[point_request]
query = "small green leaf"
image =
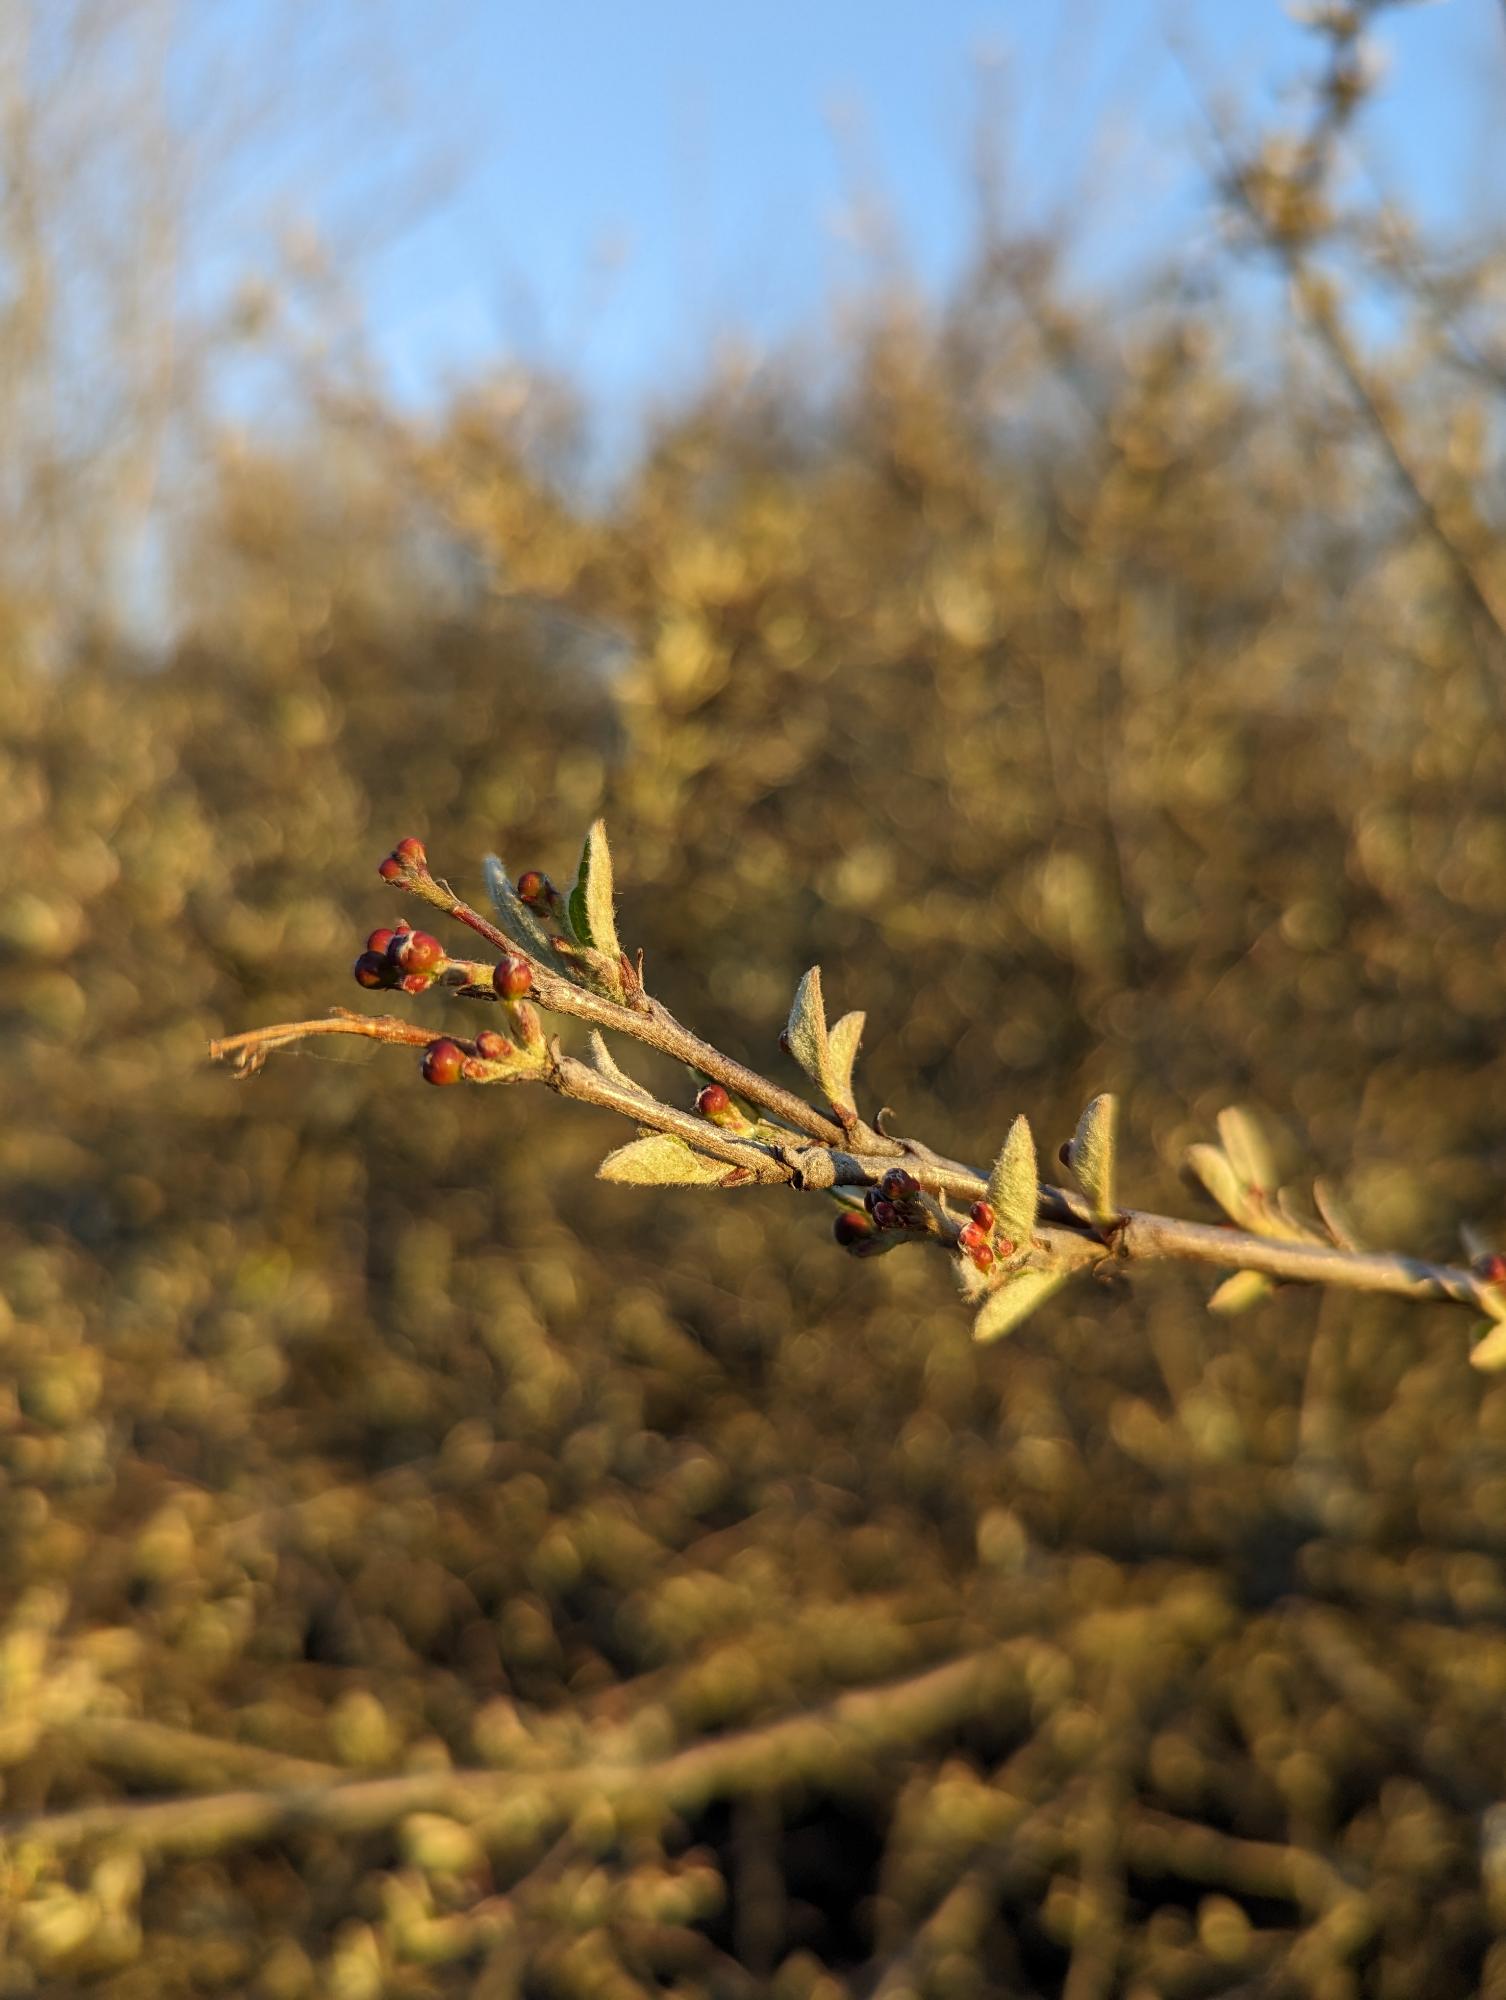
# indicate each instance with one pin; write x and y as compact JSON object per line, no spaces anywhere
{"x":1014,"y":1184}
{"x":1489,"y":1351}
{"x":592,"y":917}
{"x":842,"y":1044}
{"x":805,"y":1031}
{"x":1093,"y":1153}
{"x":1248,"y":1150}
{"x":1212,"y":1167}
{"x":1336,"y":1217}
{"x":1241,"y":1291}
{"x":516,"y":921}
{"x":661,"y":1160}
{"x":602,"y":1062}
{"x":1011,"y":1303}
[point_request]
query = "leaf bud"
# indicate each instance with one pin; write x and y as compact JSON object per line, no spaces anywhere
{"x":853,"y":1228}
{"x":417,"y":951}
{"x":407,"y":858}
{"x":443,"y":1062}
{"x":513,"y":978}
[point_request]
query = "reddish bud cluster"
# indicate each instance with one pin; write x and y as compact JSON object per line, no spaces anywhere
{"x":513,"y":979}
{"x":407,"y":858}
{"x":893,"y":1204}
{"x":977,"y":1239}
{"x":402,"y":958}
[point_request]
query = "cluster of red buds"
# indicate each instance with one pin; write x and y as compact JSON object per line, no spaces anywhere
{"x":400,"y":958}
{"x":896,"y":1204}
{"x":407,"y":858}
{"x":493,"y":1056}
{"x":978,"y":1238}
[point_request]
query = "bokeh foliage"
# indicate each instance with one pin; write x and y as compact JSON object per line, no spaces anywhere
{"x":1088,"y":701}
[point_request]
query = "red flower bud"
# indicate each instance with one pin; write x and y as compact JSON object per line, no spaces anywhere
{"x":533,"y":886}
{"x":513,"y":978}
{"x":380,"y":939}
{"x":853,"y":1228}
{"x":982,"y":1214}
{"x":970,"y":1238}
{"x":492,"y":1047}
{"x":372,"y":970}
{"x":714,"y":1103}
{"x":900,"y":1186}
{"x":982,"y":1257}
{"x":886,"y":1215}
{"x":443,"y":1061}
{"x":1006,"y":1246}
{"x":413,"y":982}
{"x":417,"y":951}
{"x":407,"y":858}
{"x":1490,"y":1268}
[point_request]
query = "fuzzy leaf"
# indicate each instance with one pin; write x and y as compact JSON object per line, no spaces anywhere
{"x":1093,"y":1155}
{"x":661,"y":1160}
{"x":1336,"y":1217}
{"x":842,"y":1043}
{"x":806,"y":1030}
{"x":516,"y":920}
{"x":1241,"y":1291}
{"x":604,"y":1065}
{"x":1010,"y":1304}
{"x":1212,"y":1167}
{"x":1489,"y":1351}
{"x":1248,"y":1150}
{"x":1014,"y":1184}
{"x":592,"y":917}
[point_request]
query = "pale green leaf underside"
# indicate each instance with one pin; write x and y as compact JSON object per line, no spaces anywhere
{"x":806,"y":1029}
{"x":661,"y":1160}
{"x":1093,"y":1156}
{"x":1013,"y":1186}
{"x":1012,"y":1302}
{"x":1248,"y":1149}
{"x":1212,"y":1166}
{"x":1241,"y":1291}
{"x":842,"y":1044}
{"x":1489,"y":1351}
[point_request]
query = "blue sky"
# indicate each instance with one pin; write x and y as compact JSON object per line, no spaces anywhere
{"x":618,"y":189}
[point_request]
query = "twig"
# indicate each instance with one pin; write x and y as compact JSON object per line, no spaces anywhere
{"x":1063,"y":1231}
{"x":850,"y":1731}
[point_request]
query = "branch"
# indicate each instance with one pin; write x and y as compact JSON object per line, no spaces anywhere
{"x":860,"y":1725}
{"x":1020,"y":1238}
